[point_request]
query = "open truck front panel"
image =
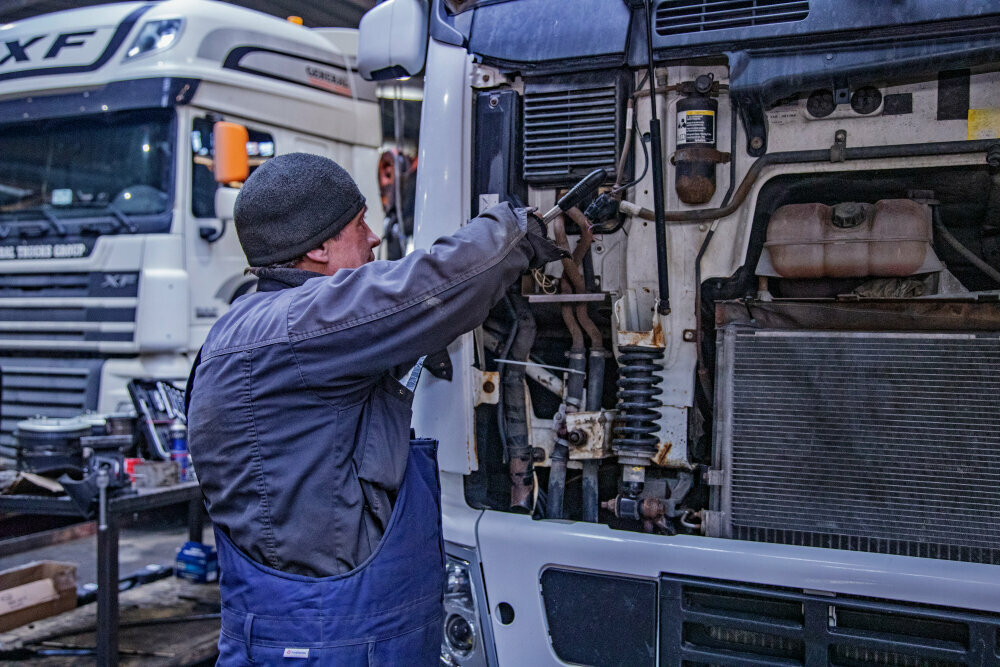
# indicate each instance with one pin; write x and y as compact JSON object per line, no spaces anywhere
{"x":754,"y":422}
{"x":114,"y":262}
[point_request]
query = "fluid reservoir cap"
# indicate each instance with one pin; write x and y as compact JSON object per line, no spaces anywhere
{"x":848,"y":214}
{"x":703,"y":84}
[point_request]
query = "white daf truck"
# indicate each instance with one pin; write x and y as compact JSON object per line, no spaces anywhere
{"x":754,"y":420}
{"x":114,"y":259}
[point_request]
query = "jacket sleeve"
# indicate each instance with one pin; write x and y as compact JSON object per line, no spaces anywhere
{"x":368,"y":320}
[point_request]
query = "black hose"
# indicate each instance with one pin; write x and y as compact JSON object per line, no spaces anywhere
{"x":501,"y":419}
{"x":514,"y":404}
{"x":557,"y":479}
{"x":699,"y":330}
{"x":595,"y":380}
{"x":823,"y":155}
{"x":962,"y":250}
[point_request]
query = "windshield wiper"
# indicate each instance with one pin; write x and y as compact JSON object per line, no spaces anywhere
{"x":123,"y":219}
{"x":53,"y":221}
{"x":120,"y":218}
{"x":17,"y":193}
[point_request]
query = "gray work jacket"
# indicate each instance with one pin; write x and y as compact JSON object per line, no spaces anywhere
{"x":297,"y":431}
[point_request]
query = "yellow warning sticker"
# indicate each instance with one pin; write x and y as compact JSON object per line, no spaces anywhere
{"x":699,"y":112}
{"x":984,"y":124}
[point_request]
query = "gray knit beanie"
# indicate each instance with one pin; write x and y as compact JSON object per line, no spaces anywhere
{"x":291,"y":204}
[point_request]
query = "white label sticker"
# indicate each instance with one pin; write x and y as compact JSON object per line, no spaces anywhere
{"x":695,"y":126}
{"x":296,"y":653}
{"x":487,"y":200}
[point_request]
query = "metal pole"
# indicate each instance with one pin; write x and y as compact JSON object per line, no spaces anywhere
{"x":656,"y":162}
{"x":107,"y":578}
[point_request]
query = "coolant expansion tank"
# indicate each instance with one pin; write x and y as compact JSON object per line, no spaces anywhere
{"x":887,"y":239}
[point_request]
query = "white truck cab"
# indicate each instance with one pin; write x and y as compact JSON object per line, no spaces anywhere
{"x":114,"y":261}
{"x":754,"y":420}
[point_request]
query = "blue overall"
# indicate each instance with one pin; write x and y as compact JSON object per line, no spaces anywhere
{"x":387,"y":611}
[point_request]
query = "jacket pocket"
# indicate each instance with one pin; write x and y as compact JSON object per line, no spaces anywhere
{"x":384,"y":443}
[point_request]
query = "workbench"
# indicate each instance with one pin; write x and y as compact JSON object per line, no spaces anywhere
{"x":107,"y":543}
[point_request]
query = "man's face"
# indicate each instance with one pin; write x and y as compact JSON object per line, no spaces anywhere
{"x":352,"y":247}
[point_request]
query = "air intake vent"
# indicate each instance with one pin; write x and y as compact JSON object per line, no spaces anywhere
{"x":705,"y":622}
{"x":571,"y":129}
{"x":882,"y":442}
{"x":678,"y":17}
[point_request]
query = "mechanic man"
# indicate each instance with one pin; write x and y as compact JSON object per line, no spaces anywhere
{"x":327,"y":515}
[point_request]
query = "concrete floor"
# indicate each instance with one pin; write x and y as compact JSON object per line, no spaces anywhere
{"x":154,"y":543}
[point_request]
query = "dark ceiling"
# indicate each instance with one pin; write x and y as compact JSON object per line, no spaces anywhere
{"x":315,"y":14}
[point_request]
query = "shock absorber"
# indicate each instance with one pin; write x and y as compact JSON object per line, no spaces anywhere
{"x":635,"y":438}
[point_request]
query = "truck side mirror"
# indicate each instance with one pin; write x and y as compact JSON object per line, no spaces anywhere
{"x":392,"y":41}
{"x":229,"y":146}
{"x":230,"y":164}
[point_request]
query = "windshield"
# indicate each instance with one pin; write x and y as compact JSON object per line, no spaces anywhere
{"x":113,"y":169}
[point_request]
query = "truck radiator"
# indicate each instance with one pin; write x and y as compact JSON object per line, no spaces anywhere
{"x":880,"y":442}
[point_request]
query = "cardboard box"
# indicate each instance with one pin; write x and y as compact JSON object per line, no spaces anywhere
{"x":35,"y":591}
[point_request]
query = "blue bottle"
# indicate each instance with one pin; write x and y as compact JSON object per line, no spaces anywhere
{"x":179,"y":450}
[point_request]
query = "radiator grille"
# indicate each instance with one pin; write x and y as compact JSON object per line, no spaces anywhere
{"x":80,"y":311}
{"x":44,"y":387}
{"x":677,"y":17}
{"x":871,"y":442}
{"x":569,"y":131}
{"x":705,"y":622}
{"x":44,"y":284}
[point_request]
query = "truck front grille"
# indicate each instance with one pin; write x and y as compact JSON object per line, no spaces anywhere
{"x":31,"y":387}
{"x":85,"y":312}
{"x":706,"y":622}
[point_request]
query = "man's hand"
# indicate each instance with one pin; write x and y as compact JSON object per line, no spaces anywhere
{"x":545,"y":250}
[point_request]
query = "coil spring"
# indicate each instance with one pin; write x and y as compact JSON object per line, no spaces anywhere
{"x":637,"y":402}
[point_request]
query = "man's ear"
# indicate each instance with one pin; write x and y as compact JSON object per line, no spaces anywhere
{"x":320,"y":254}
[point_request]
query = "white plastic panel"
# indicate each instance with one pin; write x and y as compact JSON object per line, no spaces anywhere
{"x":512,"y":568}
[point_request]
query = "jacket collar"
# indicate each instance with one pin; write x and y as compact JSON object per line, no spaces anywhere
{"x":273,"y":280}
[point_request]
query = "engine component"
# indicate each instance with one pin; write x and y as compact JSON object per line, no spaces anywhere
{"x":50,"y":445}
{"x":696,"y":157}
{"x":888,"y":239}
{"x":866,"y":100}
{"x":513,"y":411}
{"x":636,"y":440}
{"x":820,"y":103}
{"x":867,"y":441}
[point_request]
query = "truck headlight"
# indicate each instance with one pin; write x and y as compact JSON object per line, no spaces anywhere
{"x":155,"y":36}
{"x":462,"y":643}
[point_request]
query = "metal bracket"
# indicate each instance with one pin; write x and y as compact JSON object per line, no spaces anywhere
{"x":754,"y":122}
{"x":715,"y":477}
{"x":486,"y":387}
{"x":484,"y":76}
{"x":838,"y":151}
